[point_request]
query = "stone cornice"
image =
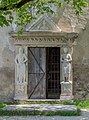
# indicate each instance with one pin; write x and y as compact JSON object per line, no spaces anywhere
{"x":46,"y":34}
{"x":44,"y":38}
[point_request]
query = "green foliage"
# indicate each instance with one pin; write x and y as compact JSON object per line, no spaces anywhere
{"x":82,"y":104}
{"x":2,"y":104}
{"x":24,"y":10}
{"x":36,"y":112}
{"x":6,"y":18}
{"x":79,"y":4}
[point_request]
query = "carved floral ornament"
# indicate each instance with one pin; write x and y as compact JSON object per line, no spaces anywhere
{"x":44,"y":38}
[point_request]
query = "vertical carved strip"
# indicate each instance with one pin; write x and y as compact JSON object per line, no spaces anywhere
{"x":67,"y":75}
{"x":21,"y":73}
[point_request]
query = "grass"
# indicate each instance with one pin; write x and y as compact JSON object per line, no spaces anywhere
{"x":35,"y":112}
{"x":83,"y":104}
{"x":2,"y":104}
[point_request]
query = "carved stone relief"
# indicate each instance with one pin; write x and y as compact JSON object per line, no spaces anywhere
{"x":66,"y":60}
{"x":66,"y":82}
{"x":20,"y":61}
{"x":20,"y":77}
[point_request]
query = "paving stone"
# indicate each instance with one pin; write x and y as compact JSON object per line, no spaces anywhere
{"x":43,"y":118}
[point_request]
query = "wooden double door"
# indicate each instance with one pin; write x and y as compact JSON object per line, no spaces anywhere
{"x":44,"y":73}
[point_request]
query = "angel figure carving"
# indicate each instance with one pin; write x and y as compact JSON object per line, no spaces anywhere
{"x":66,"y":60}
{"x":20,"y":61}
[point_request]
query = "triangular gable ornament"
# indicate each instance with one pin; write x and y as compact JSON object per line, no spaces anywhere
{"x":44,"y":23}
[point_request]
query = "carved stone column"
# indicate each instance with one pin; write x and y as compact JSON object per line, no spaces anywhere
{"x":67,"y":77}
{"x":21,"y":75}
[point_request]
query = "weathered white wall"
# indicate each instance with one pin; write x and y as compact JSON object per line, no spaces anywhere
{"x":6,"y":65}
{"x":81,"y":65}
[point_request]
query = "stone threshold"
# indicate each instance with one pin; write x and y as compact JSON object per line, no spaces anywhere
{"x":44,"y":100}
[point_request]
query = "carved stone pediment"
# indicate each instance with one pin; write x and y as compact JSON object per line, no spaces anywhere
{"x":43,"y":23}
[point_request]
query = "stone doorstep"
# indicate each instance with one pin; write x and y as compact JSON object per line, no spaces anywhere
{"x":43,"y":100}
{"x":41,"y":107}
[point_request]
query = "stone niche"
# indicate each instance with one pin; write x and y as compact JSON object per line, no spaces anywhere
{"x":43,"y":39}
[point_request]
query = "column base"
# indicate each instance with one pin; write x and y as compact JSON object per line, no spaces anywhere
{"x":21,"y":92}
{"x":66,"y":91}
{"x":21,"y":97}
{"x":66,"y":98}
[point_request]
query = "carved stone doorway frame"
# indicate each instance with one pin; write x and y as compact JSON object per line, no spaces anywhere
{"x":44,"y":39}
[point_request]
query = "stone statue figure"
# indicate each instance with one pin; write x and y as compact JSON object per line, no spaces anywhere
{"x":20,"y":61}
{"x":66,"y":60}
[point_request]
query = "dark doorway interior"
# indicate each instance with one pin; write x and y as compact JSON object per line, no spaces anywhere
{"x":53,"y":87}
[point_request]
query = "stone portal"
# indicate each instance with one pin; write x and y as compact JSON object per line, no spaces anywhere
{"x":37,"y":43}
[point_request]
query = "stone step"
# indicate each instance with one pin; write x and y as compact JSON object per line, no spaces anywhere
{"x":41,"y":107}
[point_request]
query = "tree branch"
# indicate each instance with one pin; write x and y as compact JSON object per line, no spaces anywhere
{"x":17,"y":5}
{"x":21,"y":3}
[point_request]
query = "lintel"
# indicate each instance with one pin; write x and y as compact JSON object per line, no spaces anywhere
{"x":44,"y":38}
